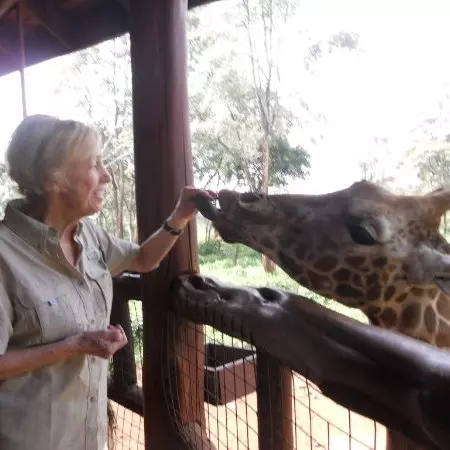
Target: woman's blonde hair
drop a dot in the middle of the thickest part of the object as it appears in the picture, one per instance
(40, 149)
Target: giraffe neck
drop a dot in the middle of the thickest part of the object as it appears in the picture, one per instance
(419, 313)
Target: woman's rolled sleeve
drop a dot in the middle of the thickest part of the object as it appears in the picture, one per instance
(118, 253)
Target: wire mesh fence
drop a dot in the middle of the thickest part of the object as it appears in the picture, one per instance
(230, 387)
(320, 423)
(125, 384)
(129, 429)
(231, 401)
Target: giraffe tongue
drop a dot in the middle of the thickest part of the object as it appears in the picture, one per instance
(206, 208)
(443, 283)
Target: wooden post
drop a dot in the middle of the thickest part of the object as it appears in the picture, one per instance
(163, 164)
(274, 396)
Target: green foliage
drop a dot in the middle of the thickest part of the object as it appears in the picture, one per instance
(217, 262)
(434, 168)
(99, 81)
(287, 162)
(221, 255)
(249, 272)
(234, 111)
(137, 327)
(7, 188)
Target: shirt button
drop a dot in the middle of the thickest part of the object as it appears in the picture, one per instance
(92, 322)
(91, 399)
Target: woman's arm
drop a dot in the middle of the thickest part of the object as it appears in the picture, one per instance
(156, 247)
(103, 343)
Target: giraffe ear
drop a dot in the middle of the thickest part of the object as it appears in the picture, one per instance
(440, 199)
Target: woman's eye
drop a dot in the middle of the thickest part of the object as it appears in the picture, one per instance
(360, 235)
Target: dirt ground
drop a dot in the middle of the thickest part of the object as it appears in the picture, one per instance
(319, 424)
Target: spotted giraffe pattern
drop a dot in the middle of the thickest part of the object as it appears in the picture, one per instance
(362, 246)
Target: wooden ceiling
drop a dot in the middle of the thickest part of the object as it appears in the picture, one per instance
(56, 27)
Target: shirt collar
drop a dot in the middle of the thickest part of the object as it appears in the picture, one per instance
(37, 234)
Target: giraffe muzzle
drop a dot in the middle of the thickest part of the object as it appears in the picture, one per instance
(226, 201)
(207, 208)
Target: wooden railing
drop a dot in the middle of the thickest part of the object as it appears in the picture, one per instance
(400, 382)
(122, 386)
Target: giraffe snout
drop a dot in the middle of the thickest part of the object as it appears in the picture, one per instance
(227, 199)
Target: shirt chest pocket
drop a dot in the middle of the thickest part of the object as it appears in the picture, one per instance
(47, 315)
(100, 281)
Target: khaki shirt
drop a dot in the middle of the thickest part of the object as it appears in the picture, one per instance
(43, 299)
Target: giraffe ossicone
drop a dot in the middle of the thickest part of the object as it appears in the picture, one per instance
(363, 246)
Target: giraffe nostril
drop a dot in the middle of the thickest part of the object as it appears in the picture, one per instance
(249, 197)
(198, 282)
(270, 295)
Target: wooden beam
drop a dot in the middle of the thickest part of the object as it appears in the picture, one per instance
(6, 5)
(40, 46)
(99, 24)
(13, 57)
(173, 387)
(51, 18)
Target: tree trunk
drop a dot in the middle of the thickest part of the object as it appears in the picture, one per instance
(208, 230)
(268, 264)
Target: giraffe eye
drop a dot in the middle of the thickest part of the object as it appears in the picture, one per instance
(361, 235)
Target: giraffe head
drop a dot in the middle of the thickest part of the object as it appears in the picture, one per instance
(362, 246)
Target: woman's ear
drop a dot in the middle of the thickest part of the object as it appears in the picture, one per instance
(52, 185)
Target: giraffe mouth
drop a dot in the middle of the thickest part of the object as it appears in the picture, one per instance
(227, 205)
(207, 208)
(230, 230)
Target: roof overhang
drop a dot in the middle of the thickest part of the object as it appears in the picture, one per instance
(54, 28)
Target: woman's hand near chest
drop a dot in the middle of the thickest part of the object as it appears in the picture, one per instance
(102, 343)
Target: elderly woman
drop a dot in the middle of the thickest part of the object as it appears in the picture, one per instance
(56, 269)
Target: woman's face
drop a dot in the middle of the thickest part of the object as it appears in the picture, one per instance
(86, 178)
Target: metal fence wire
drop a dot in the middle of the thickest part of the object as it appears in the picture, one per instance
(231, 401)
(125, 380)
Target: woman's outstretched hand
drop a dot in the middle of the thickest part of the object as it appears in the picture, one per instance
(186, 209)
